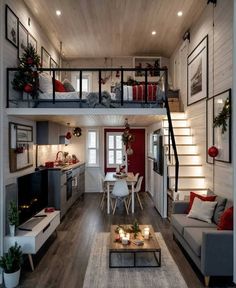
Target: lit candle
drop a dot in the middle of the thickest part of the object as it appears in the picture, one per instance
(127, 235)
(146, 232)
(125, 240)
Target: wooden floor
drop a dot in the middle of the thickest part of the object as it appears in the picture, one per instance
(62, 262)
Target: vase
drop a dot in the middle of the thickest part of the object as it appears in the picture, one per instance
(12, 230)
(11, 280)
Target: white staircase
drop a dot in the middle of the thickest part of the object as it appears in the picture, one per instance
(191, 176)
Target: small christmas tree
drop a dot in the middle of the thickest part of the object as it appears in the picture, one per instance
(26, 78)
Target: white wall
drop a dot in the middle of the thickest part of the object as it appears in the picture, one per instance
(8, 58)
(2, 115)
(220, 79)
(126, 62)
(234, 140)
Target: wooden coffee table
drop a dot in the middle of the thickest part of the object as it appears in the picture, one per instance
(150, 246)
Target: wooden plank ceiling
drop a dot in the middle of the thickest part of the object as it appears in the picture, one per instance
(110, 28)
(99, 120)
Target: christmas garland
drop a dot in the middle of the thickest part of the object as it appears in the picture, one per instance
(222, 117)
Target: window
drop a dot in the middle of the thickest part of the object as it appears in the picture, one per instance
(115, 151)
(86, 82)
(92, 145)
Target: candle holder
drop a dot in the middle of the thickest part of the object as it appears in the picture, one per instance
(146, 233)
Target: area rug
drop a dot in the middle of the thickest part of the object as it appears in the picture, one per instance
(99, 275)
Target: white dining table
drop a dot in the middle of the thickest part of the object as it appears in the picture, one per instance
(110, 179)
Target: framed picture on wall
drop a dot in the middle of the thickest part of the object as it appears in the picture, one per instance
(23, 39)
(53, 64)
(197, 73)
(222, 125)
(45, 58)
(32, 41)
(11, 24)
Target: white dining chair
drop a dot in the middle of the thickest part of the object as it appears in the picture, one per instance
(120, 192)
(137, 189)
(104, 193)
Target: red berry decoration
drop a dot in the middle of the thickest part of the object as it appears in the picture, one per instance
(213, 151)
(68, 135)
(30, 61)
(28, 88)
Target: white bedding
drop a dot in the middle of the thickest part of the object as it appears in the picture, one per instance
(67, 96)
(59, 95)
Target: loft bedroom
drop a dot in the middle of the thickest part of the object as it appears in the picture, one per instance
(73, 46)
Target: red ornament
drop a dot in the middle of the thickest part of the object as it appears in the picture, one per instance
(68, 135)
(30, 61)
(28, 88)
(213, 151)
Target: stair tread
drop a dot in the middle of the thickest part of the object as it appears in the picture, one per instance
(186, 165)
(184, 144)
(177, 119)
(187, 154)
(199, 177)
(181, 135)
(187, 189)
(186, 127)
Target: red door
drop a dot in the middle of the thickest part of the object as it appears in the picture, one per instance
(136, 161)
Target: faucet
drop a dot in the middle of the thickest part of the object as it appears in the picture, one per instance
(58, 154)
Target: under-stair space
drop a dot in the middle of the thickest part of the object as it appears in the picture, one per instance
(191, 177)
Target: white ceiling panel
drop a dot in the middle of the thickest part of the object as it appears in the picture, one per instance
(109, 28)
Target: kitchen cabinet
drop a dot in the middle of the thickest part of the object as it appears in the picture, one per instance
(47, 133)
(65, 186)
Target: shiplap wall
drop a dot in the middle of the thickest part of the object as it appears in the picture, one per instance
(220, 79)
(8, 58)
(10, 55)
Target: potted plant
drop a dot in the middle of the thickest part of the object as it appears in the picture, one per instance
(13, 217)
(11, 263)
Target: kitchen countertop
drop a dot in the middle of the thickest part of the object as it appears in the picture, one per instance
(63, 168)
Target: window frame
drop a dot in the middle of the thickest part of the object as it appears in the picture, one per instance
(87, 76)
(96, 148)
(107, 149)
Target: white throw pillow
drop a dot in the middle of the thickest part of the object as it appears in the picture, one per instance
(45, 82)
(202, 210)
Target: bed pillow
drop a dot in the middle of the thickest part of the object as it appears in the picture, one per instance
(226, 220)
(59, 87)
(45, 83)
(202, 210)
(203, 198)
(68, 86)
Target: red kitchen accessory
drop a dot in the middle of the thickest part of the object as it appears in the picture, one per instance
(49, 209)
(49, 164)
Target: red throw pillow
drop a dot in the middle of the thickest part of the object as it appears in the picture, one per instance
(226, 220)
(203, 198)
(59, 87)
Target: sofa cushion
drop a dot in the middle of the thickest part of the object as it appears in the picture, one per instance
(220, 207)
(202, 197)
(180, 221)
(202, 210)
(193, 236)
(227, 220)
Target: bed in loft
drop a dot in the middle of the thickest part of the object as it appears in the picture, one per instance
(52, 93)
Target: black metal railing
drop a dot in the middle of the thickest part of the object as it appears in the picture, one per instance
(153, 71)
(171, 139)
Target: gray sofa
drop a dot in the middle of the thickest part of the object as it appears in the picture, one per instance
(210, 249)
